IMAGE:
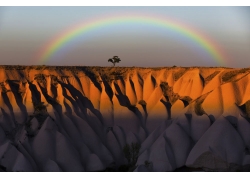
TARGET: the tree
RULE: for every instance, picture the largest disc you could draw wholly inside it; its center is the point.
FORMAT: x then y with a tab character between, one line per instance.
114	60
131	152
40	107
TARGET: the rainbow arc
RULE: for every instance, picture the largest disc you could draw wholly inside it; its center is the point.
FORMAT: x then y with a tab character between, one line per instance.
203	41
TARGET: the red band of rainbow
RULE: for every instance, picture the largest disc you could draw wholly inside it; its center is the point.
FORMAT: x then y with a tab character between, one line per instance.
203	41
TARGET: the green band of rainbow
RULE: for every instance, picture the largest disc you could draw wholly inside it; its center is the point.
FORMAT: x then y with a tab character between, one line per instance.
203	41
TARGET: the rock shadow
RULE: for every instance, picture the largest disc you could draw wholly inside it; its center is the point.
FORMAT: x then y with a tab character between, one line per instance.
14	87
168	106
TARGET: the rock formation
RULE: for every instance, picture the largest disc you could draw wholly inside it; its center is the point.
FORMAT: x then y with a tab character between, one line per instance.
80	118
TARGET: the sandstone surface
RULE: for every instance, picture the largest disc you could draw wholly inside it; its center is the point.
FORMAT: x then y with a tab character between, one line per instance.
80	118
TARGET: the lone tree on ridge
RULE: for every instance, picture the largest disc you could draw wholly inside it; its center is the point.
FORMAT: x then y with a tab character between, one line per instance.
114	60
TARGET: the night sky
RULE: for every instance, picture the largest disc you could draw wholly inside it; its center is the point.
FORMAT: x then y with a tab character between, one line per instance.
26	31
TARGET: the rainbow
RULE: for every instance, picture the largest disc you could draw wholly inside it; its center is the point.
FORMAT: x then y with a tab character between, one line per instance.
186	31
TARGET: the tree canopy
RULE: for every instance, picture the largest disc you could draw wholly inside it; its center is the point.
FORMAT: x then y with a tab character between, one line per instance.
114	60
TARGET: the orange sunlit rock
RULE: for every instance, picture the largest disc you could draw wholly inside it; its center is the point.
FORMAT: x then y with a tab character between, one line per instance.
81	118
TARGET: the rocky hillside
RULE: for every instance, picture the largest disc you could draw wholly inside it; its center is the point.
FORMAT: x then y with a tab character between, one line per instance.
81	118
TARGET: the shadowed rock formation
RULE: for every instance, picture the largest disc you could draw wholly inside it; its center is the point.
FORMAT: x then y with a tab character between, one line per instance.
80	118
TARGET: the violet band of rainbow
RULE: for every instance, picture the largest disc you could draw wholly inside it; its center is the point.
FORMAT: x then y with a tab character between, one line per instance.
192	34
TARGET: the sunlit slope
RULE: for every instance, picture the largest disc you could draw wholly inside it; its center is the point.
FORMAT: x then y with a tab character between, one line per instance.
80	118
